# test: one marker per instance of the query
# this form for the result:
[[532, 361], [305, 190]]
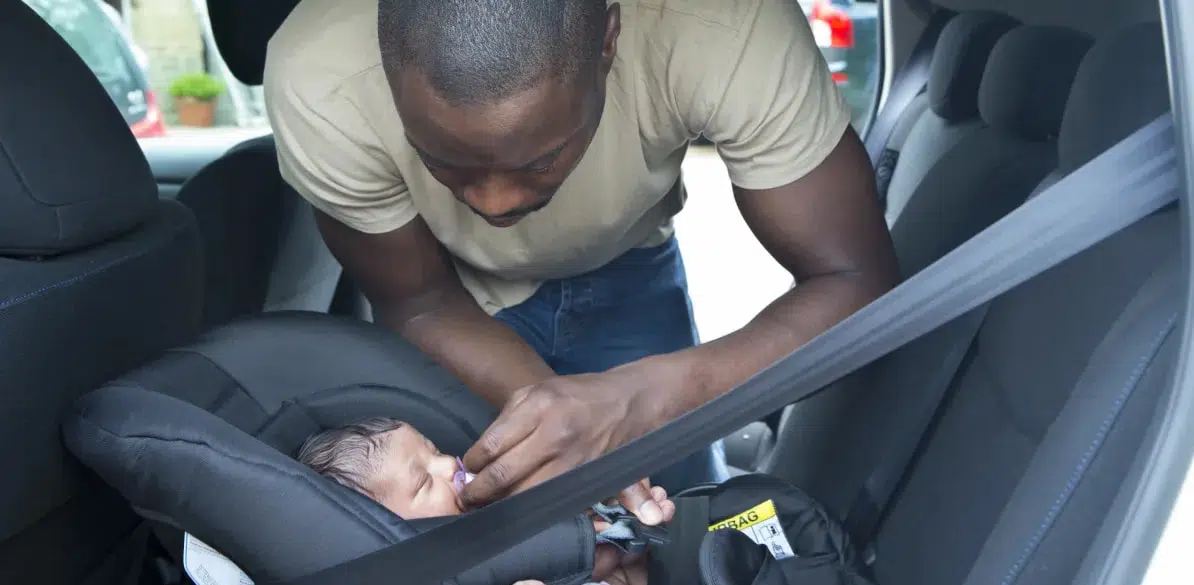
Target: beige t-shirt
[[745, 73]]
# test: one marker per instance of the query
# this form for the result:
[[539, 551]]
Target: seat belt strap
[[899, 449], [1131, 180], [676, 563], [908, 83]]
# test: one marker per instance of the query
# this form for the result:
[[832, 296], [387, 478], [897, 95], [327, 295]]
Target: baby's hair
[[347, 454]]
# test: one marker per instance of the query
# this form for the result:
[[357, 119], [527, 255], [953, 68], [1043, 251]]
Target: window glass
[[98, 42], [848, 33]]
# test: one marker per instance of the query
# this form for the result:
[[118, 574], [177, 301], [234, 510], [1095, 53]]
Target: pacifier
[[461, 477]]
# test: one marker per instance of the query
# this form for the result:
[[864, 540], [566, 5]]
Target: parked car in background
[[848, 34], [138, 53], [106, 50]]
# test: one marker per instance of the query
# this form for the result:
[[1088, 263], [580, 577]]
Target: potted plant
[[195, 96]]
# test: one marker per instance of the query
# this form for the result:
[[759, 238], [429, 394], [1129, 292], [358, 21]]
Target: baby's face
[[414, 480]]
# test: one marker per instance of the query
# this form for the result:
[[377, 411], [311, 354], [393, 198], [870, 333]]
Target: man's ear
[[613, 27]]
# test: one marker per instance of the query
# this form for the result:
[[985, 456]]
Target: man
[[499, 177]]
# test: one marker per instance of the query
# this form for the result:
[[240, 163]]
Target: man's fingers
[[512, 426], [605, 561], [658, 493], [519, 467], [667, 506], [637, 500]]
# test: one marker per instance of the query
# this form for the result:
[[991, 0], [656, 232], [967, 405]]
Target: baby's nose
[[444, 466]]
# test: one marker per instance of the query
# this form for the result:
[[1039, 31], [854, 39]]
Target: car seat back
[[992, 169], [1053, 399], [263, 250], [97, 276], [943, 115]]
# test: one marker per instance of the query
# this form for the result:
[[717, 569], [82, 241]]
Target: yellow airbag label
[[761, 524]]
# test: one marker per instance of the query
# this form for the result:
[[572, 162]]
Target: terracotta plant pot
[[193, 112]]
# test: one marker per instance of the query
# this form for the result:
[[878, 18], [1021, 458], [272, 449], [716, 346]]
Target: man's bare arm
[[828, 230], [409, 279]]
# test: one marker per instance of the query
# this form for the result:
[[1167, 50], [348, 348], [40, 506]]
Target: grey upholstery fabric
[[1108, 82], [1047, 413], [948, 110], [1025, 76], [959, 60], [929, 139], [262, 246], [992, 169]]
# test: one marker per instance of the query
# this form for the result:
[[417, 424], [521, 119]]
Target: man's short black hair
[[483, 51]]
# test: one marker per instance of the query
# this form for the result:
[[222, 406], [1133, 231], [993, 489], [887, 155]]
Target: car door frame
[[1151, 543]]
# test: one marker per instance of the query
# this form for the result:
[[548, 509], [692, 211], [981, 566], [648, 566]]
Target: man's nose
[[497, 198]]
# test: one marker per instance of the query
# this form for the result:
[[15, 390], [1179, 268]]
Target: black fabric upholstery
[[241, 204], [120, 281], [232, 409], [1028, 78], [1111, 81], [242, 31], [959, 60], [55, 199]]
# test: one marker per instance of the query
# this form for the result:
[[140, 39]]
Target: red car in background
[[833, 30], [93, 35]]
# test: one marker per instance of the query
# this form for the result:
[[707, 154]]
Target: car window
[[100, 44]]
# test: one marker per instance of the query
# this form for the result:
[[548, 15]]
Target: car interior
[[112, 253]]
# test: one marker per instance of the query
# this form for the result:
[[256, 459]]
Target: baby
[[395, 465], [390, 462]]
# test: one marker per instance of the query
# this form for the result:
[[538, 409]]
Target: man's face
[[506, 160]]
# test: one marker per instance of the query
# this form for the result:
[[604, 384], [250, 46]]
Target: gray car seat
[[991, 171], [936, 120], [96, 277], [1046, 415], [993, 168], [263, 249]]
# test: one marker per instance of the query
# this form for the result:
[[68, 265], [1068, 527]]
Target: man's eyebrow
[[551, 154], [427, 157]]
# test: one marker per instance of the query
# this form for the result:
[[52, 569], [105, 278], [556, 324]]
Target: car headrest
[[203, 441], [242, 31], [71, 172], [1121, 85], [959, 60], [1027, 82]]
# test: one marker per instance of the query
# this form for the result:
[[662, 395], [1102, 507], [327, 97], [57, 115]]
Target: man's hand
[[608, 561], [556, 425]]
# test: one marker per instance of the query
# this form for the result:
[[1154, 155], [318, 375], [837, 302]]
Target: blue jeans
[[633, 307]]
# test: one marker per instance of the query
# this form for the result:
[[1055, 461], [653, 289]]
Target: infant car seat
[[202, 441]]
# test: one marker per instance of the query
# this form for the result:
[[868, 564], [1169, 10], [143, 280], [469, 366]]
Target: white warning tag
[[761, 524], [206, 566]]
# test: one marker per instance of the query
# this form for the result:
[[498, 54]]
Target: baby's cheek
[[447, 503]]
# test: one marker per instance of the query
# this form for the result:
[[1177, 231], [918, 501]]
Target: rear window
[[92, 35]]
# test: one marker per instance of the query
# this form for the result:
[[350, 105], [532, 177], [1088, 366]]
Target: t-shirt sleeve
[[780, 113], [330, 154]]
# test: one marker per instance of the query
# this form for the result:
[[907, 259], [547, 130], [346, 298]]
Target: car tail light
[[152, 125], [832, 27]]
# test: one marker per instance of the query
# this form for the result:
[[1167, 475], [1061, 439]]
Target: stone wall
[[170, 33]]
